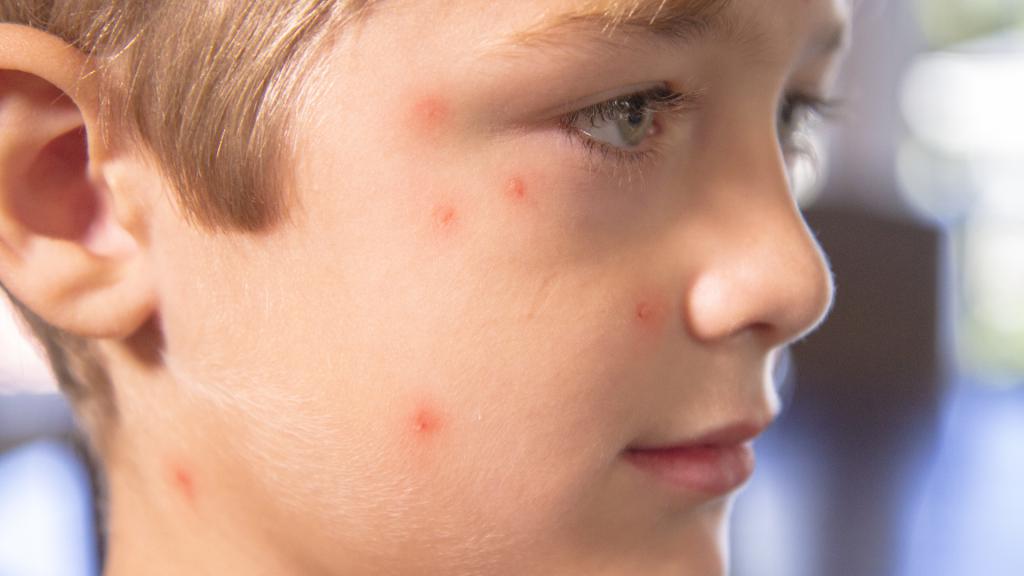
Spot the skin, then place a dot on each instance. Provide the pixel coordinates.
(436, 366)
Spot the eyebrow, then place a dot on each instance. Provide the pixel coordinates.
(670, 19)
(678, 20)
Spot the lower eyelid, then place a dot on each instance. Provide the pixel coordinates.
(600, 157)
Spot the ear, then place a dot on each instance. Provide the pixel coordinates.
(72, 243)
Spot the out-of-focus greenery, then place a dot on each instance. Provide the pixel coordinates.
(950, 21)
(990, 326)
(991, 351)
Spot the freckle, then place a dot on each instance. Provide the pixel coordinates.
(429, 114)
(445, 216)
(516, 189)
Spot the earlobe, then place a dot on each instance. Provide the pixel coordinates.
(71, 249)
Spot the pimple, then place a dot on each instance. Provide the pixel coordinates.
(428, 114)
(426, 421)
(183, 481)
(649, 315)
(516, 189)
(445, 216)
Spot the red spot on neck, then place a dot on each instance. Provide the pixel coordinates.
(183, 482)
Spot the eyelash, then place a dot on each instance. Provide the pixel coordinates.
(659, 101)
(796, 113)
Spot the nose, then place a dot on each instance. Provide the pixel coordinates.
(759, 269)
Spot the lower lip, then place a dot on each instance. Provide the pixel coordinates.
(710, 470)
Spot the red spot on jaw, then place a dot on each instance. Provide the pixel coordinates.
(429, 114)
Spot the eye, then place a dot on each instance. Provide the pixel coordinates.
(797, 114)
(625, 123)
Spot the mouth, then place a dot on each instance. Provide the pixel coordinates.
(712, 464)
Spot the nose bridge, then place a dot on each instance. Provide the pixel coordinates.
(761, 270)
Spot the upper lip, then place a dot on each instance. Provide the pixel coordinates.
(729, 434)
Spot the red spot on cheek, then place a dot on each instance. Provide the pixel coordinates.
(429, 114)
(183, 482)
(426, 421)
(649, 315)
(516, 189)
(445, 216)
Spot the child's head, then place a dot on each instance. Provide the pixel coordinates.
(413, 287)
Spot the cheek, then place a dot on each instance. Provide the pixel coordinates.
(425, 422)
(515, 190)
(428, 116)
(444, 217)
(651, 317)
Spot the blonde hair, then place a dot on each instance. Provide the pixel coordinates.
(215, 115)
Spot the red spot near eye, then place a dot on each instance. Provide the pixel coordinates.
(183, 482)
(516, 189)
(428, 114)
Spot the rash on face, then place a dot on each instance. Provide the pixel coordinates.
(182, 481)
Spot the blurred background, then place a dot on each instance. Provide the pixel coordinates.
(900, 450)
(901, 447)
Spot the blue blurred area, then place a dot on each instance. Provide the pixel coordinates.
(902, 450)
(47, 520)
(969, 516)
(951, 507)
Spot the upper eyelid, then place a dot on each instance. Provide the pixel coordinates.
(826, 107)
(659, 98)
(670, 101)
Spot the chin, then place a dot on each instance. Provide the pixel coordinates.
(703, 548)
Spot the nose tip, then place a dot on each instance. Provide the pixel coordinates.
(776, 284)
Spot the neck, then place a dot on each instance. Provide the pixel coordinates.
(177, 504)
(175, 518)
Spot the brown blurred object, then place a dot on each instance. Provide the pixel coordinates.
(870, 381)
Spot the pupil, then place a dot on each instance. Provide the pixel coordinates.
(635, 111)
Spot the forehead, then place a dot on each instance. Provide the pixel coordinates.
(821, 23)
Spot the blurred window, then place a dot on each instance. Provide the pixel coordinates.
(963, 164)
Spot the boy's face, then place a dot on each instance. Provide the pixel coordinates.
(489, 295)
